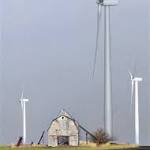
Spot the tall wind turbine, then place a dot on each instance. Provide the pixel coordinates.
(135, 92)
(106, 4)
(23, 107)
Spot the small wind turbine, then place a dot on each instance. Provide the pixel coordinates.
(135, 90)
(23, 107)
(106, 4)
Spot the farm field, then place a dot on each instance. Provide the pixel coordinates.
(112, 147)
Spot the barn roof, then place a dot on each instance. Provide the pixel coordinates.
(64, 113)
(67, 115)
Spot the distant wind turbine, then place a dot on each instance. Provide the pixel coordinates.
(23, 107)
(106, 4)
(135, 90)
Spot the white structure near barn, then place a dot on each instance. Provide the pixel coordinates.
(63, 130)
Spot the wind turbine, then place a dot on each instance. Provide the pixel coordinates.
(23, 107)
(106, 4)
(135, 90)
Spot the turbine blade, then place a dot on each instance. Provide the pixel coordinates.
(134, 69)
(22, 94)
(132, 86)
(22, 105)
(99, 13)
(132, 91)
(130, 74)
(21, 99)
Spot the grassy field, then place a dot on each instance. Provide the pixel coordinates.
(107, 147)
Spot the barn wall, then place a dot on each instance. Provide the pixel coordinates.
(73, 140)
(52, 141)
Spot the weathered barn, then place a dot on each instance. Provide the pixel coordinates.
(64, 130)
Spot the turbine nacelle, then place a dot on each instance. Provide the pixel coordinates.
(24, 100)
(137, 79)
(108, 2)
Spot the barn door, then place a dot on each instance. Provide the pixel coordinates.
(63, 140)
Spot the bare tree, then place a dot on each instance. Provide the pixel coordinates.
(101, 137)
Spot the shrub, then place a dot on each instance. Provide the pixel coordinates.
(101, 137)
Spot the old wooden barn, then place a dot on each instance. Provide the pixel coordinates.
(63, 130)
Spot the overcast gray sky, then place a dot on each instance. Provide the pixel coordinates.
(47, 47)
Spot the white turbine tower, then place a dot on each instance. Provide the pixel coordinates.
(106, 4)
(23, 107)
(135, 92)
